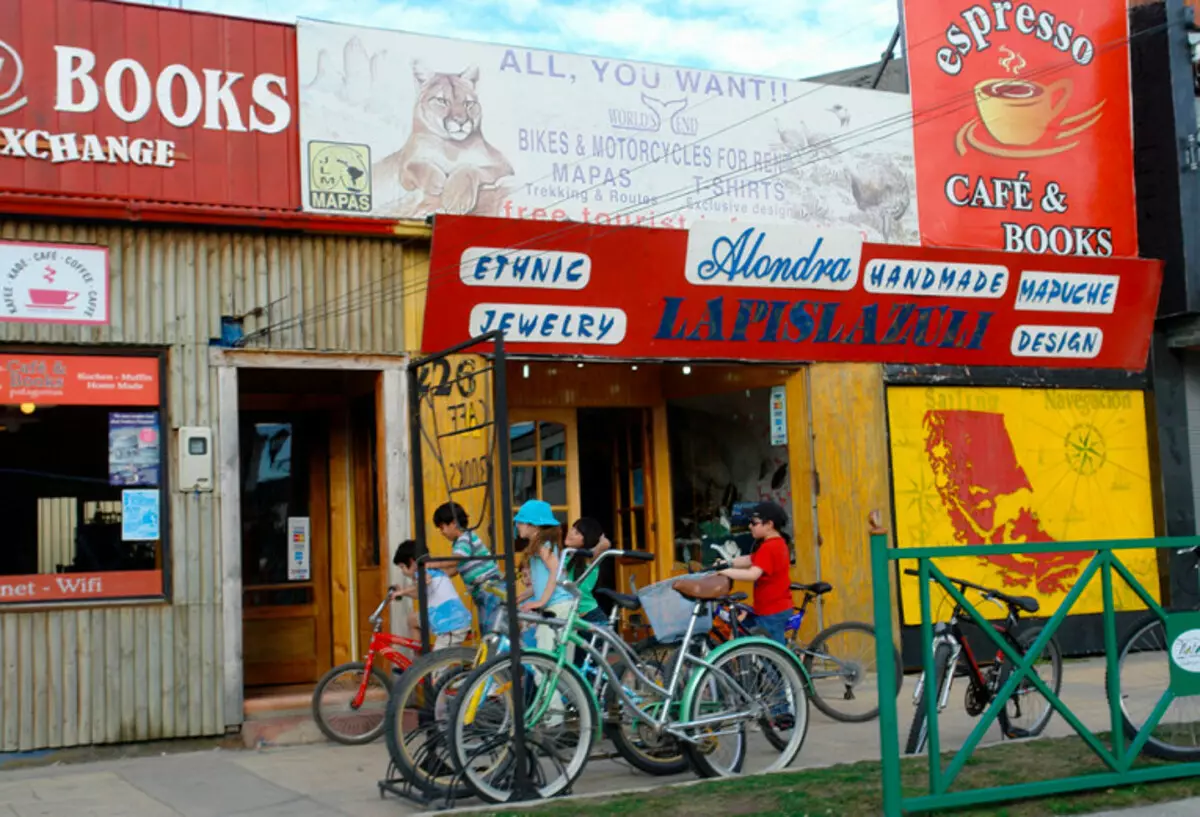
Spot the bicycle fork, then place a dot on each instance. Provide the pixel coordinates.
(943, 698)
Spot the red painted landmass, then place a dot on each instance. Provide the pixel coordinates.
(975, 465)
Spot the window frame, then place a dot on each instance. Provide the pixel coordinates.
(167, 438)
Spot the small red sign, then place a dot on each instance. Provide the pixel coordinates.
(626, 293)
(80, 586)
(127, 101)
(79, 380)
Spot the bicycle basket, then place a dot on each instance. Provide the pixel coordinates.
(669, 613)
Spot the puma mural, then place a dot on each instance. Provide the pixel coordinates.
(447, 164)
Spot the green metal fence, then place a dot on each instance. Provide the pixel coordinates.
(1119, 758)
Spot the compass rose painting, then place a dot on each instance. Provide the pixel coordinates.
(975, 466)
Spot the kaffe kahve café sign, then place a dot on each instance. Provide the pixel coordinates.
(773, 293)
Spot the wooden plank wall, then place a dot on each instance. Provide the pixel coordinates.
(104, 674)
(850, 454)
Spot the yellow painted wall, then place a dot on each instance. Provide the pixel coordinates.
(850, 453)
(979, 466)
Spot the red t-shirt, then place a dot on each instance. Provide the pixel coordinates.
(773, 590)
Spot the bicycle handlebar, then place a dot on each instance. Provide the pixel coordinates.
(988, 593)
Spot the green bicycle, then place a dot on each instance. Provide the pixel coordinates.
(713, 706)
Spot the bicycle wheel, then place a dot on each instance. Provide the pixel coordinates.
(632, 737)
(418, 715)
(348, 705)
(773, 678)
(842, 670)
(1026, 712)
(918, 732)
(558, 740)
(1145, 674)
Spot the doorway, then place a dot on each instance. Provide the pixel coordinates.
(310, 545)
(616, 479)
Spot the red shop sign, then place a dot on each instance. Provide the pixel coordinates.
(780, 294)
(135, 102)
(79, 380)
(80, 586)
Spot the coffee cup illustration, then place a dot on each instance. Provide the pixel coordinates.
(1018, 111)
(51, 297)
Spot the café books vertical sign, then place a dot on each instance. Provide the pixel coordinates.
(1021, 125)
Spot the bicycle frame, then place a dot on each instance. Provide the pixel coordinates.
(383, 645)
(950, 633)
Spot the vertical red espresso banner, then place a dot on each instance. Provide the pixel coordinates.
(1021, 125)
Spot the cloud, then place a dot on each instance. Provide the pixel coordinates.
(784, 38)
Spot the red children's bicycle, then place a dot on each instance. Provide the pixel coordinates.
(350, 700)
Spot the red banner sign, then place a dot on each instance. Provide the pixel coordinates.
(129, 101)
(1021, 125)
(743, 292)
(80, 586)
(78, 380)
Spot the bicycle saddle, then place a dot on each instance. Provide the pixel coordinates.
(1029, 605)
(623, 600)
(816, 588)
(733, 598)
(703, 588)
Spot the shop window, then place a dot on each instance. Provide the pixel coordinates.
(723, 462)
(82, 478)
(539, 464)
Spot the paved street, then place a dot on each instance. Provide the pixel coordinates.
(334, 780)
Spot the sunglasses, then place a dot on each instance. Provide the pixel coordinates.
(755, 522)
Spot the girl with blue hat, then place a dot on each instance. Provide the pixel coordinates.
(537, 525)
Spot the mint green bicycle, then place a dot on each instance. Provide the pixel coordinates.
(715, 706)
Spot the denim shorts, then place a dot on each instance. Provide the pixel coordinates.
(774, 626)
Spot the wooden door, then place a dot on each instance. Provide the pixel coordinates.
(286, 621)
(633, 495)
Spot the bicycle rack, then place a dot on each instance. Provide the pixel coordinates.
(397, 784)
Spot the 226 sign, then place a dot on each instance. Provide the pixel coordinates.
(443, 377)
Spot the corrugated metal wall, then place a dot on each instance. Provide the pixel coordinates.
(79, 676)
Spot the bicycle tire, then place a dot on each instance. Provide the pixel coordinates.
(819, 701)
(789, 665)
(1153, 747)
(674, 760)
(918, 730)
(360, 739)
(571, 769)
(451, 662)
(1025, 639)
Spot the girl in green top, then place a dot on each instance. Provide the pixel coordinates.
(587, 533)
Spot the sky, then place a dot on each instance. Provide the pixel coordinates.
(791, 39)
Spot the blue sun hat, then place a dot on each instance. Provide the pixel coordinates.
(536, 512)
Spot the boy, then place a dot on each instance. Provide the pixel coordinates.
(449, 619)
(451, 521)
(769, 567)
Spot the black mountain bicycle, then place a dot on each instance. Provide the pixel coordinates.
(1022, 716)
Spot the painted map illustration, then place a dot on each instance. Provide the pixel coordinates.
(975, 466)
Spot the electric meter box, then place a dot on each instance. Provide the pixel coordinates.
(195, 459)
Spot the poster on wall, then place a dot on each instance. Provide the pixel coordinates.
(140, 515)
(401, 126)
(1012, 107)
(134, 455)
(975, 466)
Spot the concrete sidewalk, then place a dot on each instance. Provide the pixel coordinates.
(340, 781)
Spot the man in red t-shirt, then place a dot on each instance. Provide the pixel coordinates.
(769, 567)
